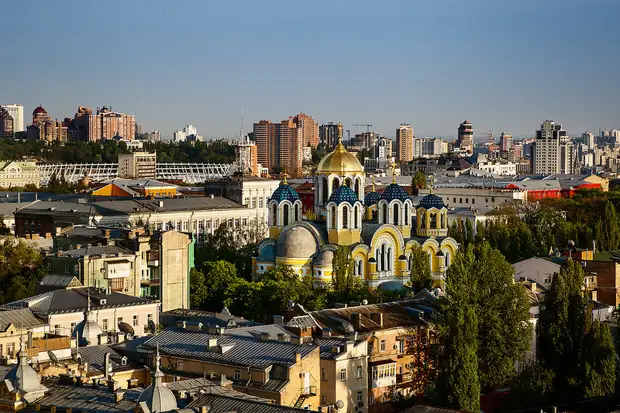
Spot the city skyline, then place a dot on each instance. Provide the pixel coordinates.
(424, 64)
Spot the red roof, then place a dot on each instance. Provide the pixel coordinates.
(39, 109)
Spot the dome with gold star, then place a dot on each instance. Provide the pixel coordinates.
(340, 160)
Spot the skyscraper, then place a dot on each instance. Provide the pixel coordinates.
(466, 137)
(17, 113)
(6, 123)
(404, 142)
(328, 135)
(280, 145)
(309, 129)
(588, 140)
(547, 148)
(105, 124)
(505, 143)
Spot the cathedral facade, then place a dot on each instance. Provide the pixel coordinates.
(380, 229)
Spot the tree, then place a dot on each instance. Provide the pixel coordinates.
(21, 270)
(503, 311)
(420, 274)
(198, 289)
(418, 182)
(458, 382)
(469, 232)
(560, 327)
(343, 278)
(218, 275)
(609, 230)
(599, 361)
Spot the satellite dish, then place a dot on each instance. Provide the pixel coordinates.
(126, 328)
(364, 302)
(128, 337)
(152, 327)
(52, 356)
(339, 404)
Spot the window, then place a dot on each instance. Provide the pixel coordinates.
(473, 200)
(180, 365)
(323, 374)
(467, 200)
(104, 324)
(49, 266)
(343, 375)
(359, 398)
(460, 200)
(135, 320)
(246, 201)
(119, 320)
(360, 372)
(323, 399)
(285, 215)
(149, 317)
(237, 375)
(401, 346)
(345, 217)
(396, 213)
(68, 268)
(454, 200)
(383, 370)
(382, 345)
(72, 327)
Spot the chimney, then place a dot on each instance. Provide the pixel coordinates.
(106, 365)
(58, 230)
(356, 320)
(284, 338)
(297, 358)
(377, 318)
(349, 345)
(212, 343)
(112, 385)
(68, 410)
(265, 336)
(335, 349)
(52, 409)
(533, 286)
(37, 406)
(594, 295)
(278, 319)
(203, 409)
(327, 332)
(119, 395)
(181, 324)
(48, 235)
(298, 341)
(107, 233)
(161, 204)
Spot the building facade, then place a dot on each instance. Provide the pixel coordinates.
(328, 135)
(16, 112)
(547, 148)
(465, 140)
(104, 124)
(19, 174)
(404, 142)
(137, 165)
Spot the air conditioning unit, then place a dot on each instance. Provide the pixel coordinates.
(584, 263)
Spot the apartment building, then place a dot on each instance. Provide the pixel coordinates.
(465, 140)
(104, 124)
(404, 143)
(137, 165)
(63, 310)
(19, 174)
(262, 361)
(154, 265)
(477, 198)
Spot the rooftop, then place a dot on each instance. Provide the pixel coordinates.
(74, 300)
(222, 319)
(22, 318)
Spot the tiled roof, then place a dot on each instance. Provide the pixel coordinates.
(98, 250)
(395, 191)
(204, 386)
(343, 194)
(371, 198)
(284, 192)
(20, 318)
(74, 300)
(95, 357)
(222, 319)
(247, 350)
(432, 201)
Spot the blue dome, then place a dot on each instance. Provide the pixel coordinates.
(432, 201)
(372, 198)
(284, 192)
(343, 194)
(394, 191)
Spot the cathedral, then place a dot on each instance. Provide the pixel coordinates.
(380, 229)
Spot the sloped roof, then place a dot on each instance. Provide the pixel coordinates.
(223, 403)
(74, 300)
(247, 350)
(222, 319)
(22, 318)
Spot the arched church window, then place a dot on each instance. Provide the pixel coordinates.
(335, 184)
(430, 260)
(433, 219)
(348, 182)
(388, 259)
(274, 214)
(334, 216)
(297, 212)
(406, 214)
(357, 188)
(345, 217)
(285, 215)
(385, 214)
(422, 218)
(448, 257)
(396, 214)
(356, 217)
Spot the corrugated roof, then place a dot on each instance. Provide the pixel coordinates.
(108, 250)
(222, 319)
(204, 386)
(247, 350)
(22, 318)
(95, 357)
(220, 403)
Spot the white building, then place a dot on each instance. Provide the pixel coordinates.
(19, 174)
(500, 167)
(535, 269)
(181, 135)
(17, 112)
(423, 147)
(588, 140)
(476, 198)
(547, 148)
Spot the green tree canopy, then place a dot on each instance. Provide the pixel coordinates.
(343, 278)
(420, 274)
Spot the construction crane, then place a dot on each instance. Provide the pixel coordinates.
(362, 125)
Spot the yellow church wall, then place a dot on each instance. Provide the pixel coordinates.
(344, 236)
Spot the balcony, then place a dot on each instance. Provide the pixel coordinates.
(150, 281)
(383, 382)
(404, 378)
(382, 355)
(152, 258)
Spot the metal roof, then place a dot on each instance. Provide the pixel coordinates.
(22, 318)
(221, 403)
(248, 348)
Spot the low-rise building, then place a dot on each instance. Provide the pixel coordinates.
(137, 165)
(135, 188)
(64, 310)
(19, 174)
(263, 361)
(538, 270)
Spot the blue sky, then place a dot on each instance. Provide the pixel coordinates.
(504, 65)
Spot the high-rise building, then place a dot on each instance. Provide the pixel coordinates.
(45, 129)
(280, 145)
(183, 134)
(154, 136)
(137, 165)
(309, 129)
(428, 147)
(547, 148)
(328, 135)
(505, 143)
(567, 157)
(6, 123)
(105, 124)
(466, 137)
(17, 113)
(383, 148)
(588, 140)
(404, 142)
(247, 160)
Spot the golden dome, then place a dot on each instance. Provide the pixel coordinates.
(340, 160)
